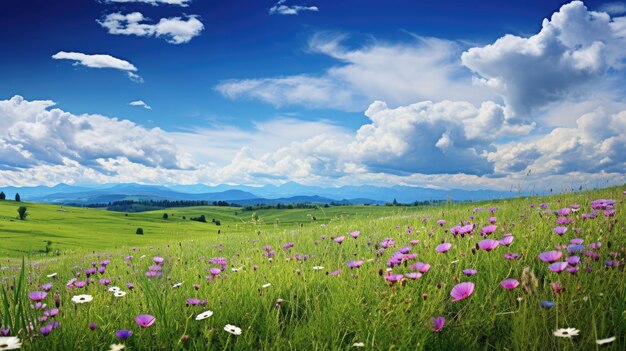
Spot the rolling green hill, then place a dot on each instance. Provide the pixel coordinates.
(73, 228)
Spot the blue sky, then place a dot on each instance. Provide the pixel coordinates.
(426, 93)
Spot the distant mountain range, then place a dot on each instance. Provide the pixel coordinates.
(246, 195)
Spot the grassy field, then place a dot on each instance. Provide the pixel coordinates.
(72, 228)
(305, 296)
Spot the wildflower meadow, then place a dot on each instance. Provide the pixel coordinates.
(538, 273)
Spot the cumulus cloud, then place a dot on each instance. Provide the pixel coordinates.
(140, 103)
(426, 138)
(183, 3)
(281, 9)
(424, 69)
(596, 144)
(36, 134)
(100, 61)
(575, 47)
(175, 30)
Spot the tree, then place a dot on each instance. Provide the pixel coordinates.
(17, 197)
(139, 231)
(165, 216)
(3, 196)
(22, 211)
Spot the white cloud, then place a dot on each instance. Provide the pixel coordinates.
(100, 61)
(140, 103)
(281, 9)
(574, 49)
(613, 8)
(175, 30)
(596, 144)
(221, 143)
(95, 61)
(34, 134)
(424, 69)
(183, 3)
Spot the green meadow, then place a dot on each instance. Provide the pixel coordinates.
(306, 297)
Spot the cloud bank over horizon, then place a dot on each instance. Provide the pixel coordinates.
(540, 109)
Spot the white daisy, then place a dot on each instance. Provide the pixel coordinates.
(318, 268)
(142, 256)
(116, 347)
(52, 275)
(232, 329)
(114, 289)
(566, 332)
(177, 285)
(119, 293)
(265, 286)
(82, 298)
(204, 315)
(10, 343)
(236, 269)
(358, 344)
(605, 341)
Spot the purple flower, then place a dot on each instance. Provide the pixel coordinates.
(441, 222)
(288, 245)
(47, 286)
(414, 242)
(130, 286)
(558, 267)
(443, 248)
(488, 229)
(158, 260)
(560, 230)
(492, 220)
(609, 213)
(194, 302)
(511, 256)
(575, 248)
(355, 234)
(37, 295)
(393, 278)
(438, 323)
(354, 264)
(335, 273)
(550, 256)
(215, 271)
(469, 272)
(564, 221)
(506, 240)
(145, 320)
(413, 275)
(576, 241)
(462, 291)
(595, 246)
(509, 283)
(93, 326)
(387, 243)
(488, 244)
(124, 334)
(564, 212)
(51, 313)
(105, 281)
(420, 267)
(45, 331)
(340, 239)
(573, 260)
(573, 270)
